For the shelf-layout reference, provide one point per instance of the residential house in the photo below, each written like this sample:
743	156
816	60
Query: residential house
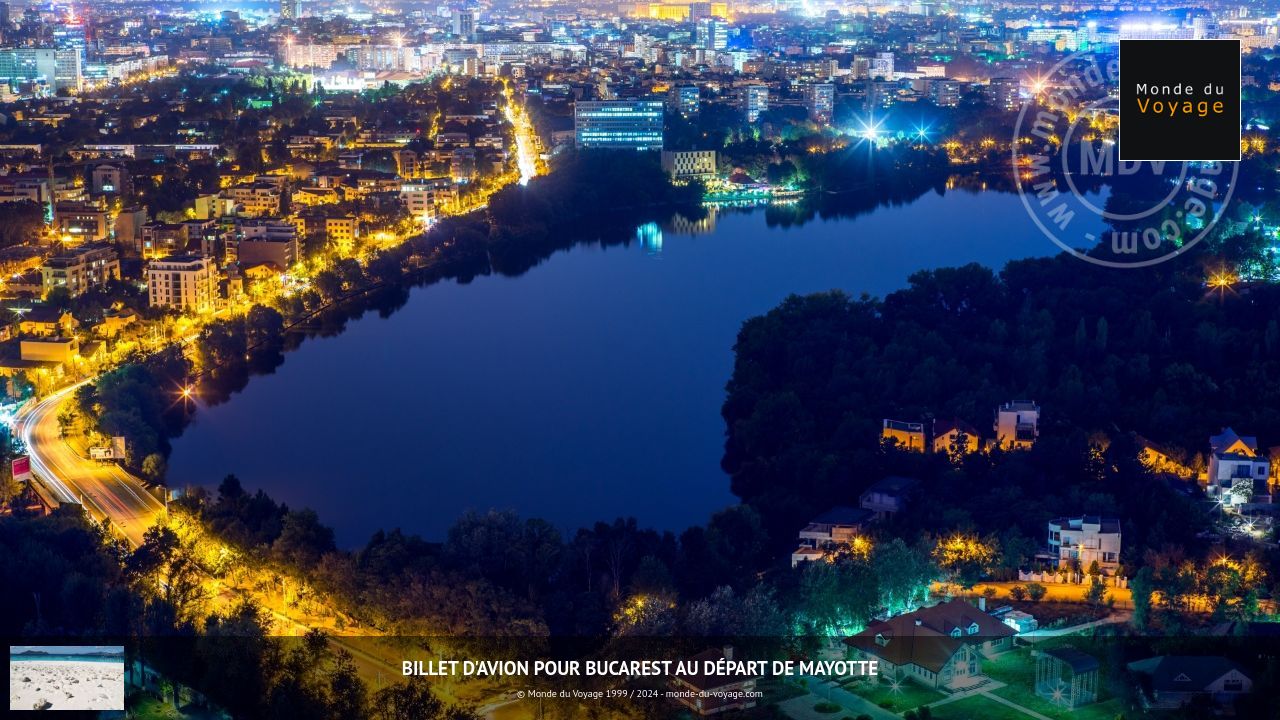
940	647
47	321
1171	681
907	435
955	435
888	495
49	350
1237	471
712	693
837	527
1086	540
1017	425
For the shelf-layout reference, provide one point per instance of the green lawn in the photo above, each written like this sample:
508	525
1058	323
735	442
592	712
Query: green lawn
909	695
1017	670
977	707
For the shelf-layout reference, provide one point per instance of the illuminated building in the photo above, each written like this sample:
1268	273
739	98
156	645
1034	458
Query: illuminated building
907	435
79	270
679	12
690	164
684	100
882	65
1079	542
463	24
618	124
183	282
1003	92
713	34
944	92
1017	425
755	100
820	101
290	9
34	67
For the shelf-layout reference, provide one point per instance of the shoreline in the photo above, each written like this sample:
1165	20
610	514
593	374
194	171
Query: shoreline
66	685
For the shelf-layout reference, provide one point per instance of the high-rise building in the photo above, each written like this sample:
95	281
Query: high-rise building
29	66
290	9
712	34
464	24
69	69
820	101
618	124
944	92
1003	92
755	100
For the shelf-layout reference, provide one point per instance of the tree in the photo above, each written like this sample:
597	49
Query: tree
1018	592
1036	591
154	467
1097	593
1141	588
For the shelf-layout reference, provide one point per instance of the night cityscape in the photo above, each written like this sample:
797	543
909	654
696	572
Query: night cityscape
524	359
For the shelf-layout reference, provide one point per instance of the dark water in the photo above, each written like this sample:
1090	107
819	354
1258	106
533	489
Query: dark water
586	389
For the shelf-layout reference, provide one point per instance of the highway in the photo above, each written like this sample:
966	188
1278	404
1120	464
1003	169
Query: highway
111	495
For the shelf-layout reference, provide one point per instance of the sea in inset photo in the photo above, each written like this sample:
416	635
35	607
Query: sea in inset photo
66	677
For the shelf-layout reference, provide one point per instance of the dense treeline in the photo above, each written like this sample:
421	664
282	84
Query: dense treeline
1105	354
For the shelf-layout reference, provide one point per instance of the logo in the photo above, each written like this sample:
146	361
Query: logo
1069	174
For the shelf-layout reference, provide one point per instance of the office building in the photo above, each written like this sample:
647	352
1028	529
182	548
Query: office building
820	101
712	34
464	24
290	9
618	124
684	100
31	70
755	100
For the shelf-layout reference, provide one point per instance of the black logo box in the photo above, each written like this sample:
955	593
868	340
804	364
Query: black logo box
1181	137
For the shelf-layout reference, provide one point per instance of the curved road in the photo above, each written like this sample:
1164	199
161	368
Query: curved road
111	495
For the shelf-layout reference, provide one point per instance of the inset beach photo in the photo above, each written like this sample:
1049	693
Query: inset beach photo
66	677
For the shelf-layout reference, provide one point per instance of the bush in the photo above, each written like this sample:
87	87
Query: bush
1036	591
1018	592
827	707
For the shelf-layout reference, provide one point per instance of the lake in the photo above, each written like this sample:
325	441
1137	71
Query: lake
586	389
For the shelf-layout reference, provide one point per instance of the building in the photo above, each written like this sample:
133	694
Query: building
944	92
80	269
882	66
1017	425
712	693
618	124
906	435
755	100
109	180
256	199
183	282
1172	681
290	9
712	34
684	100
837	529
1003	93
955	436
1078	542
463	24
690	164
81	222
61	350
69	69
35	69
940	647
342	231
820	101
1237	473
888	495
264	241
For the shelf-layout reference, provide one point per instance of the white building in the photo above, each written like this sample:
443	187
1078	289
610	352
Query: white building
1237	471
838	527
1086	539
1017	425
755	100
690	164
185	282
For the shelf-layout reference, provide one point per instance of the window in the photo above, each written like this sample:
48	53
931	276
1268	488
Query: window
973	628
1233	685
955	632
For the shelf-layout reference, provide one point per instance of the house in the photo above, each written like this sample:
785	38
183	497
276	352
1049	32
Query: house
888	495
955	435
709	694
837	527
1171	681
46	321
940	647
1086	539
907	435
1237	471
49	350
1017	425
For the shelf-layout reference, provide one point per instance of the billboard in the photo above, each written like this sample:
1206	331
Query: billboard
21	467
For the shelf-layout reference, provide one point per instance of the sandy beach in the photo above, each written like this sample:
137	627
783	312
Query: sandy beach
65	685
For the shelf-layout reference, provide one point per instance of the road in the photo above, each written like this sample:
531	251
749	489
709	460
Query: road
111	495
